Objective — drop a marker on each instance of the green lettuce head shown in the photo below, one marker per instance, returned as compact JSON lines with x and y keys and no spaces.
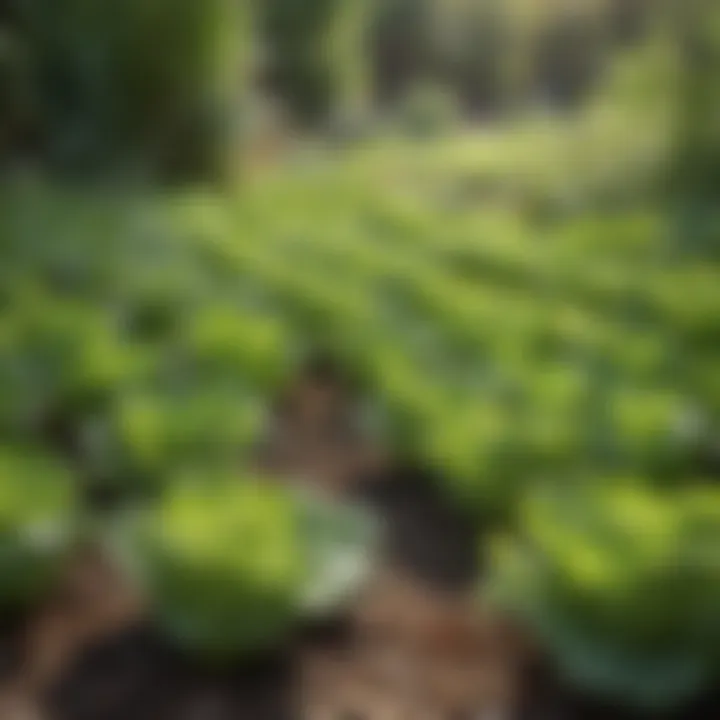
{"x":232,"y":565}
{"x":622,"y":583}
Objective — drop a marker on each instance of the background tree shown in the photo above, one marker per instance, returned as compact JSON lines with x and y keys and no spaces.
{"x":697,"y":159}
{"x":315,"y":54}
{"x":136,"y":85}
{"x":401,"y":41}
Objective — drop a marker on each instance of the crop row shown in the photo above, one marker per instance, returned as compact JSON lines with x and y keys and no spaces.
{"x":173,"y":321}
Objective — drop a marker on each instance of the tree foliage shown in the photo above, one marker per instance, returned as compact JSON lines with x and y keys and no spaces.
{"x":315,"y":53}
{"x":136,"y":86}
{"x":697,"y":164}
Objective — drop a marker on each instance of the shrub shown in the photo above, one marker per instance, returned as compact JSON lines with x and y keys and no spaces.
{"x":623,"y":586}
{"x":233,"y":564}
{"x":429,"y":111}
{"x":36,"y":511}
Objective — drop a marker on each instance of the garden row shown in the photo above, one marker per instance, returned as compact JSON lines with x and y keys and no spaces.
{"x":561,"y":378}
{"x":498,"y":351}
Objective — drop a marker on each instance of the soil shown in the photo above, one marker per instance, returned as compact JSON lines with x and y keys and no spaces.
{"x":12,"y":626}
{"x":138,"y":675}
{"x":547,"y":698}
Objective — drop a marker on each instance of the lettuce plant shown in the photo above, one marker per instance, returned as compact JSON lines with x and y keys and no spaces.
{"x":232,"y":565}
{"x":36,"y":512}
{"x":623,"y":585}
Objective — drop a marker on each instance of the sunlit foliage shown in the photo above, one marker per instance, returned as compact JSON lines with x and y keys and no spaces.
{"x":36,"y":513}
{"x":622,"y":584}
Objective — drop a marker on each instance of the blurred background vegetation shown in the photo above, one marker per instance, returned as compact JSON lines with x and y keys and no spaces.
{"x":499,"y":216}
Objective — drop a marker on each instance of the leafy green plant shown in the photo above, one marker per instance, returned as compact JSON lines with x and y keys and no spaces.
{"x":56,"y":357}
{"x":623,"y":585}
{"x":496,"y":349}
{"x":36,"y":524}
{"x":232,"y":564}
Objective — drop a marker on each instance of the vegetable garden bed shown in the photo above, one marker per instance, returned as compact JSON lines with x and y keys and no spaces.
{"x":140,"y":341}
{"x":415,"y":644}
